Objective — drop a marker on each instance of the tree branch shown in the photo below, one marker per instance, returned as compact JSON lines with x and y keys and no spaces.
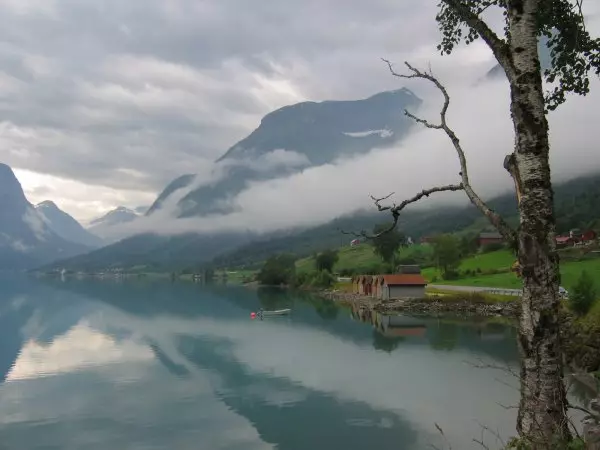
{"x":498,"y":46}
{"x":395,"y":209}
{"x":594,"y":416}
{"x":505,"y":230}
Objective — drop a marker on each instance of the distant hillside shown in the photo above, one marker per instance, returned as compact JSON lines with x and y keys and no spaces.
{"x":577,"y":205}
{"x":150,"y":253}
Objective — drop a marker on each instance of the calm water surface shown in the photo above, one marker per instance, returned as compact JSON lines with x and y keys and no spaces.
{"x":158,"y":365}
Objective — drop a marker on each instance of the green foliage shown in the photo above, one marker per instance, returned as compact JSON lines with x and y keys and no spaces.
{"x":326,"y":260}
{"x":577,"y":203}
{"x":446,"y":255}
{"x":277,"y":270}
{"x":492,"y":247}
{"x":583,"y":294}
{"x":347,"y":272}
{"x":320,"y":279}
{"x":468,"y":244}
{"x":574,"y":53}
{"x":388,"y":243}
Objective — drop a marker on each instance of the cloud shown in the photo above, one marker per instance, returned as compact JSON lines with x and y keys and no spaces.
{"x":127,"y":96}
{"x":84,"y":201}
{"x":479,"y":113}
{"x":88,"y":90}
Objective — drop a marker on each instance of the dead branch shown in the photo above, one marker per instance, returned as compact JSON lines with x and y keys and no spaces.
{"x":395,"y":209}
{"x":593,"y":415}
{"x":443,"y":435}
{"x":496,"y":433}
{"x":505,"y":230}
{"x":480,"y":442}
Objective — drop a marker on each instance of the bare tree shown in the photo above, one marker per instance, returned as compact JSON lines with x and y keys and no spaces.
{"x":542,"y":418}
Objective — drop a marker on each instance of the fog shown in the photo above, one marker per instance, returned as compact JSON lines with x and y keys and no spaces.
{"x":479,"y":114}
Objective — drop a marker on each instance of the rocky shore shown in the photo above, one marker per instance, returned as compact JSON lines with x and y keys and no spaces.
{"x":456,"y":305}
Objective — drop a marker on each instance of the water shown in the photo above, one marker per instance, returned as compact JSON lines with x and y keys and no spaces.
{"x":160,"y":365}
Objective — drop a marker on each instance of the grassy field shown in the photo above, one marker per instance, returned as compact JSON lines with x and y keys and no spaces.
{"x":362,"y":257}
{"x":569,"y":273}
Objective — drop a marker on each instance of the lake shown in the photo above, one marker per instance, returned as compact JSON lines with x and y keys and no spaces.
{"x":176,"y":365}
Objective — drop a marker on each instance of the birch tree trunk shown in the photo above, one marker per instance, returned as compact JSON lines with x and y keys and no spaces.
{"x":542,"y":414}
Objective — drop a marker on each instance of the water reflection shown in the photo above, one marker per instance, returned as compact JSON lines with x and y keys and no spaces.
{"x":442,"y":333}
{"x":168,"y":365}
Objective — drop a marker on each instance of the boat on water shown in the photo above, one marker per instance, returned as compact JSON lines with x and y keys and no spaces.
{"x":262,"y":313}
{"x":276,"y":312}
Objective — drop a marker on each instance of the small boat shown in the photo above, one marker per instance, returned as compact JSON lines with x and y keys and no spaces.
{"x":277,"y":312}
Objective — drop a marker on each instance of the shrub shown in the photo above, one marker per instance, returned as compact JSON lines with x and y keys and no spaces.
{"x":278,"y":269}
{"x":373,"y":269}
{"x":492,"y":247}
{"x":322,"y":279}
{"x":301,"y":279}
{"x":583,"y":294}
{"x":347,"y":272}
{"x":450,"y":275}
{"x":407,"y":261}
{"x":326,"y":260}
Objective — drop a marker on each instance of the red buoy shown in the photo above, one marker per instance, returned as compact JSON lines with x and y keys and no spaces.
{"x":252,"y":315}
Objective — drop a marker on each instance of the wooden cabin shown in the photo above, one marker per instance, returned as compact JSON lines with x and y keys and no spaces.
{"x":402,"y":286}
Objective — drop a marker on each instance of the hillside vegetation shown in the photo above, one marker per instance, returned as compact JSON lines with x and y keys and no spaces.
{"x":577,"y":204}
{"x":488,"y":269}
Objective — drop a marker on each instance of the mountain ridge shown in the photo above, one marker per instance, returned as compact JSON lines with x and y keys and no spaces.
{"x":26,"y":239}
{"x":319,"y":132}
{"x":66,"y":226}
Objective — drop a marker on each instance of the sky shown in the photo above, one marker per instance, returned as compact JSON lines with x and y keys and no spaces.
{"x":103,"y":103}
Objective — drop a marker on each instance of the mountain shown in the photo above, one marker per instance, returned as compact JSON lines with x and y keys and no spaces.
{"x":291,"y":139}
{"x":175,"y":185}
{"x":104,"y":226}
{"x":26,"y":239}
{"x":66,"y":226}
{"x":287,"y":141}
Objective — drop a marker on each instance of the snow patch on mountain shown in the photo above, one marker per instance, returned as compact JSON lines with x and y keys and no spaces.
{"x":382,"y":133}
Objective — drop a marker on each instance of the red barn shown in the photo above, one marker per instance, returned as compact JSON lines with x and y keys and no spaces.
{"x":588,"y":235}
{"x":564,"y":241}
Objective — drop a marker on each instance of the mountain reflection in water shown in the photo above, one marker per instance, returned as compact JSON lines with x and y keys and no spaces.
{"x":150,"y":364}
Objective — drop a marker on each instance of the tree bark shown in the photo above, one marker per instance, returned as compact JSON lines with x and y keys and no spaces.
{"x":542,"y":417}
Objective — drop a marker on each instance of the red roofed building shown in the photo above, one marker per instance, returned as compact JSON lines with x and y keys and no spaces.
{"x":564,"y":241}
{"x":402,"y":286}
{"x":588,"y":236}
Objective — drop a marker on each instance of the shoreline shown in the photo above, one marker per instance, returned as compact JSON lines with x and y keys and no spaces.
{"x":460,"y":304}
